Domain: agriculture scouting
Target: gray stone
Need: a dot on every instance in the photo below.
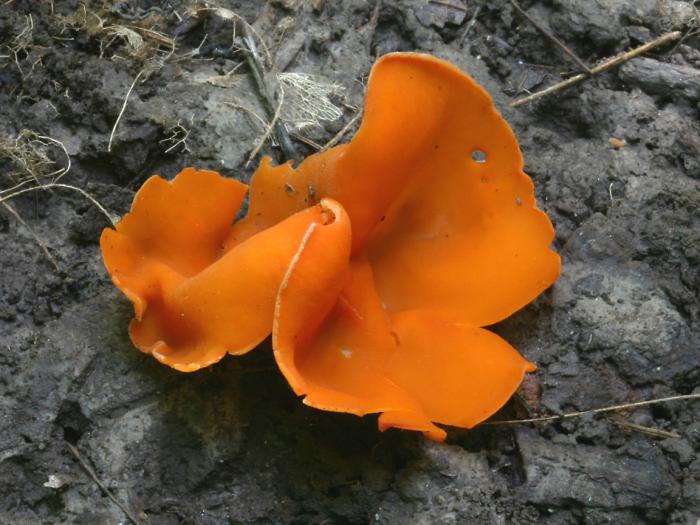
(594, 476)
(660, 78)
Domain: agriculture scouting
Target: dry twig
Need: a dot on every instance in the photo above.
(256, 71)
(471, 23)
(551, 36)
(103, 487)
(614, 408)
(268, 131)
(305, 140)
(338, 136)
(663, 434)
(601, 68)
(448, 4)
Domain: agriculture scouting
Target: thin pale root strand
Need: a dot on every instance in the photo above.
(613, 408)
(52, 185)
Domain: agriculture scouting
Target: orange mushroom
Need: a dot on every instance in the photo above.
(375, 264)
(194, 301)
(417, 367)
(446, 239)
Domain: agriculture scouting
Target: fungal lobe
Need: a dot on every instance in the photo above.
(193, 299)
(464, 235)
(443, 243)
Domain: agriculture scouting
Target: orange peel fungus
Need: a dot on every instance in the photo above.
(375, 264)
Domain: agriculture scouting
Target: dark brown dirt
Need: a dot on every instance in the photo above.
(232, 444)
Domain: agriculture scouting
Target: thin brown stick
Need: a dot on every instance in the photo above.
(50, 185)
(305, 140)
(471, 23)
(338, 136)
(248, 111)
(608, 64)
(41, 244)
(656, 432)
(551, 36)
(268, 130)
(102, 486)
(691, 31)
(257, 72)
(614, 408)
(448, 4)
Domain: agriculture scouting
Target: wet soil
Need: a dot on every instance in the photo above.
(232, 444)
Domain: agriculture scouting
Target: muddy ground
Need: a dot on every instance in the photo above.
(232, 444)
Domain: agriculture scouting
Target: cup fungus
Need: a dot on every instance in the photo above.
(375, 264)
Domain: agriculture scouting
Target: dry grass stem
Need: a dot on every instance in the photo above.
(614, 408)
(121, 112)
(227, 14)
(29, 153)
(663, 434)
(456, 7)
(226, 80)
(247, 43)
(257, 73)
(601, 68)
(268, 131)
(581, 64)
(90, 472)
(132, 39)
(19, 47)
(52, 185)
(471, 23)
(305, 140)
(141, 43)
(41, 244)
(178, 136)
(257, 118)
(338, 136)
(34, 168)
